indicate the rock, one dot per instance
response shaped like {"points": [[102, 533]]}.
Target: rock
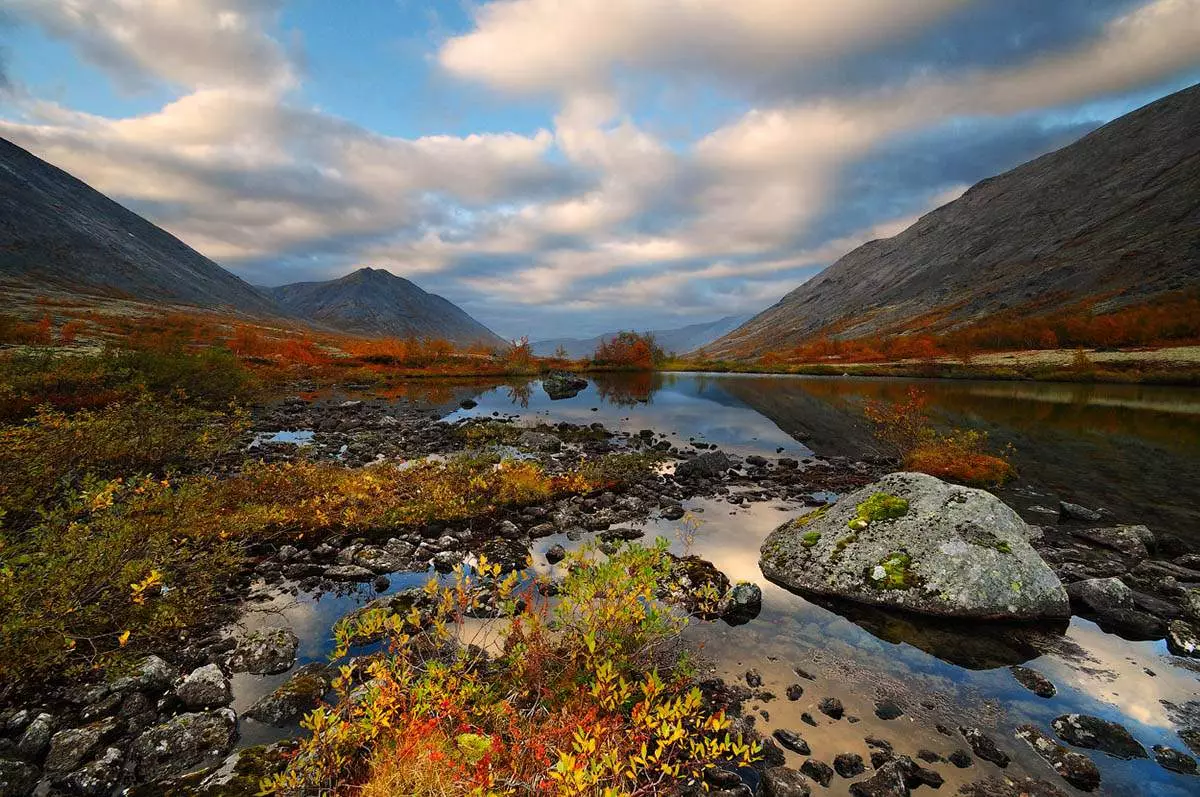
{"points": [[929, 757], [509, 554], [1068, 512], [381, 583], [151, 675], [265, 652], [1191, 605], [1076, 769], [848, 765], [205, 687], [539, 441], [794, 692], [1171, 759], [753, 679], [960, 758], [99, 777], [1129, 541], [17, 778], [831, 707], [300, 694], [1034, 681], [888, 781], [673, 512], [70, 748], [742, 603], [787, 463], [1100, 595], [185, 743], [36, 738], [792, 741], [819, 771], [1183, 639], [1010, 787], [984, 747], [756, 461], [468, 404], [707, 465], [782, 782], [932, 547], [349, 573], [1094, 733], [888, 710], [562, 385], [556, 554], [445, 561], [380, 560]]}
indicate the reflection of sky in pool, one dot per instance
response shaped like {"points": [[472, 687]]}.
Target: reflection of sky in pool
{"points": [[855, 657]]}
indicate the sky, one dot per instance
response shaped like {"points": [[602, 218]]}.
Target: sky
{"points": [[567, 167]]}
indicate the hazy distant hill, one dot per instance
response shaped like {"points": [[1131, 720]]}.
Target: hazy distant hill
{"points": [[1116, 216], [679, 341], [373, 301], [58, 232]]}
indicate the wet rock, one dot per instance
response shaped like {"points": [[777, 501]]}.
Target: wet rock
{"points": [[1094, 733], [539, 441], [794, 692], [819, 771], [468, 404], [792, 741], [848, 765], [1191, 605], [349, 573], [673, 512], [509, 554], [36, 738], [807, 719], [98, 777], [1075, 512], [831, 707], [707, 465], [1100, 595], [556, 554], [300, 694], [984, 746], [945, 550], [205, 687], [960, 758], [929, 757], [689, 577], [1129, 541], [783, 782], [185, 743], [756, 461], [265, 652], [888, 710], [1010, 787], [1171, 759], [1034, 681], [1075, 768], [380, 560], [17, 778], [753, 679], [381, 583], [562, 385], [888, 781], [1183, 638], [741, 604]]}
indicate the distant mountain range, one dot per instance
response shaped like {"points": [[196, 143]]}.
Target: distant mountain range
{"points": [[372, 301], [57, 231], [680, 340], [1114, 216]]}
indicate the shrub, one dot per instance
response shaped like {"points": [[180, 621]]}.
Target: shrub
{"points": [[629, 350], [589, 697]]}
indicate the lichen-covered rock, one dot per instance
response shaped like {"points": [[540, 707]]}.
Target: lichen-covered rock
{"points": [[151, 675], [1183, 639], [742, 603], [17, 778], [1075, 768], [783, 782], [205, 687], [1100, 595], [1034, 681], [984, 746], [1174, 760], [562, 385], [708, 464], [299, 694], [819, 771], [269, 651], [186, 743], [71, 747], [1094, 733], [539, 441], [36, 737], [915, 542], [98, 777]]}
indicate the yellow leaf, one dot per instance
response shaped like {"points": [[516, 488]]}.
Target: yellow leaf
{"points": [[123, 639]]}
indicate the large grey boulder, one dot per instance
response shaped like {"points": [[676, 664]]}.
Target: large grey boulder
{"points": [[205, 687], [917, 543], [183, 744], [268, 651], [562, 385]]}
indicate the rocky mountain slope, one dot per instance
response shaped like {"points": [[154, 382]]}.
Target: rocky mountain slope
{"points": [[57, 232], [679, 340], [373, 301], [1114, 216]]}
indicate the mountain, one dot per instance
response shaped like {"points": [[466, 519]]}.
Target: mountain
{"points": [[680, 340], [1113, 217], [57, 232], [372, 301]]}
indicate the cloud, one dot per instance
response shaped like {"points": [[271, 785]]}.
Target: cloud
{"points": [[191, 43]]}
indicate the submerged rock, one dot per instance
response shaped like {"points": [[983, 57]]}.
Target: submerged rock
{"points": [[1034, 681], [1075, 768], [984, 746], [783, 782], [915, 542], [819, 771], [1173, 760], [1094, 733]]}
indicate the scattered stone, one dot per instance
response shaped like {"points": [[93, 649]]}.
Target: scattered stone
{"points": [[819, 771], [205, 687], [468, 404], [930, 547], [831, 707], [805, 674], [555, 554], [99, 777], [783, 782], [673, 512], [888, 781], [36, 738], [960, 758], [848, 765], [539, 441], [756, 461], [1094, 733], [984, 746], [792, 741], [17, 778], [381, 583], [807, 719], [562, 385], [1068, 512], [706, 465], [1075, 768], [888, 710], [1034, 681], [929, 757], [754, 679], [185, 743], [742, 603], [151, 675], [1183, 639], [794, 692], [268, 651], [299, 694], [1010, 787], [1171, 759]]}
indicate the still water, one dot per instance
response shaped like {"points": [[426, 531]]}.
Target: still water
{"points": [[1132, 450]]}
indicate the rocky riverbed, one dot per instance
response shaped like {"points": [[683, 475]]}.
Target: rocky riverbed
{"points": [[185, 716]]}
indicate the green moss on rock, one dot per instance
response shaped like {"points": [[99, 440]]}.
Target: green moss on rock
{"points": [[894, 572], [880, 506], [810, 539]]}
